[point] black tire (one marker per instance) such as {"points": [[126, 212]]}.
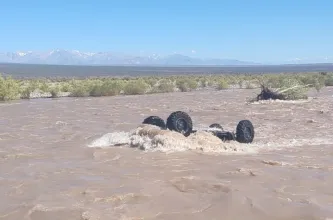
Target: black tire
{"points": [[180, 122], [155, 120], [245, 132], [216, 125]]}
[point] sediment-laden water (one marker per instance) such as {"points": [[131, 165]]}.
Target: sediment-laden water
{"points": [[89, 158]]}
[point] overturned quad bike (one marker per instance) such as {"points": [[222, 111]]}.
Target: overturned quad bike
{"points": [[181, 122]]}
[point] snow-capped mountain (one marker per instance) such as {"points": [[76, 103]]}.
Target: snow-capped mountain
{"points": [[74, 57]]}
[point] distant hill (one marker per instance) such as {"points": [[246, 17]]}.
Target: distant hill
{"points": [[42, 70], [74, 57]]}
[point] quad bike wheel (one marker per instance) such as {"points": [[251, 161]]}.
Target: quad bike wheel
{"points": [[216, 125], [180, 122], [245, 132], [155, 120]]}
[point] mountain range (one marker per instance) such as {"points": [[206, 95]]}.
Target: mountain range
{"points": [[74, 57]]}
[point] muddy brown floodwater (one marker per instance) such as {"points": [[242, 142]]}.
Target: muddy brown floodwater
{"points": [[61, 159]]}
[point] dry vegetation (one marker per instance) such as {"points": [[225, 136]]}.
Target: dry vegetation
{"points": [[293, 86]]}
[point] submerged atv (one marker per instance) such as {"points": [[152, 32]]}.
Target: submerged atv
{"points": [[181, 122]]}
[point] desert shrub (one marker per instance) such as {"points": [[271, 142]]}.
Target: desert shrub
{"points": [[182, 86], [26, 91], [222, 84], [210, 82], [93, 86], [306, 79], [192, 84], [135, 87], [232, 80], [79, 88], [43, 86], [292, 89], [329, 80], [250, 84], [313, 80], [9, 89], [151, 81], [203, 82], [54, 90], [319, 82], [186, 85], [79, 91], [65, 87], [107, 88], [239, 80], [275, 81], [164, 86]]}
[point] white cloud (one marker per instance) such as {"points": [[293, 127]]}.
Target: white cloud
{"points": [[193, 51]]}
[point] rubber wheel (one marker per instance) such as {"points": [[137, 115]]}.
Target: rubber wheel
{"points": [[216, 125], [181, 122], [155, 120], [245, 132]]}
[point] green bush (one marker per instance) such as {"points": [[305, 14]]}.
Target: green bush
{"points": [[151, 81], [164, 86], [54, 90], [26, 91], [135, 87], [79, 89], [186, 85], [249, 85], [107, 88], [65, 87], [9, 89], [222, 84], [329, 80], [240, 82], [22, 88], [293, 89], [276, 81]]}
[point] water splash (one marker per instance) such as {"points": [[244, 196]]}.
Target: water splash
{"points": [[151, 138]]}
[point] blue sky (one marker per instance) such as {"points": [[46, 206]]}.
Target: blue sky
{"points": [[257, 30]]}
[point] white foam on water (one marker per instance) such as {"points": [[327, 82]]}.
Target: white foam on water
{"points": [[111, 139], [152, 138], [271, 101]]}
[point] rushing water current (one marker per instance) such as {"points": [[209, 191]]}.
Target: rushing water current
{"points": [[88, 158]]}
